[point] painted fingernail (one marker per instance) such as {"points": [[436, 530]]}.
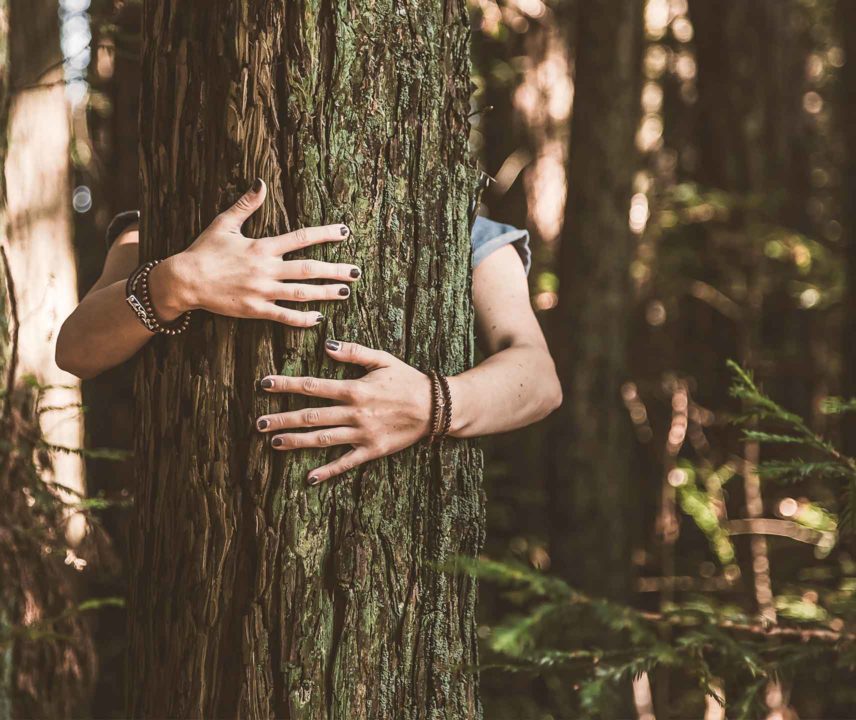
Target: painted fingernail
{"points": [[257, 185], [344, 291], [313, 479], [355, 273], [319, 318], [266, 383], [345, 230], [262, 424], [276, 442], [333, 344]]}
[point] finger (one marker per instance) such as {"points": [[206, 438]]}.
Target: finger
{"points": [[309, 417], [315, 439], [348, 461], [315, 270], [287, 316], [300, 292], [305, 237], [310, 386], [358, 354], [247, 204]]}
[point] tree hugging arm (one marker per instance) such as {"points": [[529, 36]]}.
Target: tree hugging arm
{"points": [[389, 408], [222, 272]]}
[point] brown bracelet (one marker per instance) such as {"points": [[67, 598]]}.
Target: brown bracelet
{"points": [[141, 302], [447, 405], [441, 406]]}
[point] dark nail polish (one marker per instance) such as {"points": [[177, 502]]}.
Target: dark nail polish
{"points": [[344, 292], [313, 479], [345, 231], [355, 273], [276, 442], [267, 383], [333, 344], [262, 424], [319, 318], [257, 185]]}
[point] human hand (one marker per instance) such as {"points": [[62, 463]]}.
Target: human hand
{"points": [[227, 273], [385, 411]]}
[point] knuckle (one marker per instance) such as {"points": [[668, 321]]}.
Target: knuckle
{"points": [[299, 292], [325, 438], [310, 384], [307, 268], [300, 236], [311, 417]]}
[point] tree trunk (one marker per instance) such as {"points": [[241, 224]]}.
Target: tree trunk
{"points": [[46, 653], [591, 483], [253, 595], [846, 12]]}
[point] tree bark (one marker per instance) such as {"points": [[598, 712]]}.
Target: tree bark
{"points": [[590, 484], [46, 655], [253, 595]]}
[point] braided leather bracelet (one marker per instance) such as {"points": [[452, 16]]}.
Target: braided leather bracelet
{"points": [[441, 406], [141, 302]]}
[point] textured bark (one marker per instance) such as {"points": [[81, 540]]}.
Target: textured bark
{"points": [[591, 483], [253, 595], [46, 653]]}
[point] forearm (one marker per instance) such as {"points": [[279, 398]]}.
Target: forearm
{"points": [[509, 390], [104, 331]]}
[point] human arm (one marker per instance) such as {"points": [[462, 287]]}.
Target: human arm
{"points": [[223, 272], [389, 408]]}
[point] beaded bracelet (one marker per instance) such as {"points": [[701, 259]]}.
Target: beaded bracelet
{"points": [[141, 303]]}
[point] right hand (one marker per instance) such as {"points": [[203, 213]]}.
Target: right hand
{"points": [[229, 274]]}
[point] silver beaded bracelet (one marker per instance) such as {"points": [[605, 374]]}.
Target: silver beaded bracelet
{"points": [[139, 298]]}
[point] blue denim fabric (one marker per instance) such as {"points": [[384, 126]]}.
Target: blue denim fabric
{"points": [[487, 236]]}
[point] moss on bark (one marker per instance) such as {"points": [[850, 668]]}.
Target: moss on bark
{"points": [[252, 594]]}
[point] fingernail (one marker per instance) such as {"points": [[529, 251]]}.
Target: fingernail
{"points": [[276, 442], [355, 273], [333, 344], [313, 479], [267, 383], [257, 185], [344, 292], [345, 230], [319, 318], [262, 424]]}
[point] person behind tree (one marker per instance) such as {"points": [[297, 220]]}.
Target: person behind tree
{"points": [[389, 408]]}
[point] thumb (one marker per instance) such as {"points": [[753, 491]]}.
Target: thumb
{"points": [[357, 354], [246, 205]]}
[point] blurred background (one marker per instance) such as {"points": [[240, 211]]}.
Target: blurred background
{"points": [[678, 536]]}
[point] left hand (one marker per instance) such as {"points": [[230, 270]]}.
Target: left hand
{"points": [[386, 410]]}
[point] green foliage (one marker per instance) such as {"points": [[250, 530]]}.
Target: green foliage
{"points": [[786, 428], [599, 644], [596, 646]]}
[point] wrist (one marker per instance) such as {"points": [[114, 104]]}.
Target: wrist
{"points": [[171, 288]]}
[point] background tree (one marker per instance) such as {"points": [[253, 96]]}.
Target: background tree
{"points": [[274, 599], [590, 486], [47, 660]]}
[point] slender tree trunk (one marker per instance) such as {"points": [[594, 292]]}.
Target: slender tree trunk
{"points": [[252, 594], [847, 121], [46, 653], [591, 483]]}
